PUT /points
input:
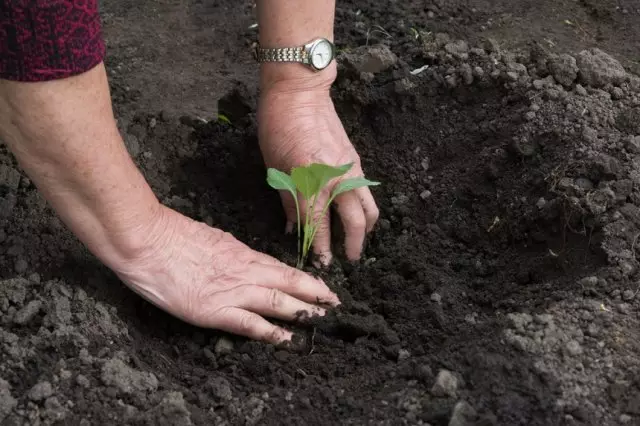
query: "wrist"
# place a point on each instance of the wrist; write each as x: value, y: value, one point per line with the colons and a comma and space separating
x: 283, y: 77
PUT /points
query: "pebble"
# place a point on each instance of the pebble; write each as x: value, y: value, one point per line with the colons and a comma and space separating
x: 588, y: 281
x: 436, y: 298
x: 425, y: 163
x: 530, y: 116
x: 425, y: 194
x: 541, y: 203
x: 628, y: 295
x: 403, y: 354
x: 446, y: 384
x: 223, y: 346
x: 40, y: 391
x: 399, y: 200
x: 463, y: 415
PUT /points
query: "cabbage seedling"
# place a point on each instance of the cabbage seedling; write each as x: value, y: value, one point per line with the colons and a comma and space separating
x: 309, y: 181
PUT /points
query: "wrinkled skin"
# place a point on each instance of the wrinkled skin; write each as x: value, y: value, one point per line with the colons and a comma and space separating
x: 210, y: 279
x: 299, y: 127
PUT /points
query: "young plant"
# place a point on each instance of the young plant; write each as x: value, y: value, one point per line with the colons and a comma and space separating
x: 309, y: 181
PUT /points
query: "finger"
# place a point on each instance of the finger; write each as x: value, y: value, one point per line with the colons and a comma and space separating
x: 289, y: 206
x: 269, y: 302
x: 369, y: 206
x: 321, y: 246
x: 354, y: 222
x: 244, y: 323
x: 294, y: 282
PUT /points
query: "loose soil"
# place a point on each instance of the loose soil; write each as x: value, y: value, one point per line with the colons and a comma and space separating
x: 499, y: 288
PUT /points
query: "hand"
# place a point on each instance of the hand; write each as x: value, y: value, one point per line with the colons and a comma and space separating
x: 298, y: 125
x: 209, y: 279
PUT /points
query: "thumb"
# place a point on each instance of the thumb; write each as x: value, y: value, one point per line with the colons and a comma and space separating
x: 290, y: 211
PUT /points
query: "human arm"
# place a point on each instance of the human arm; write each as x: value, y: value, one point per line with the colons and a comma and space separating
x: 56, y: 117
x: 298, y: 123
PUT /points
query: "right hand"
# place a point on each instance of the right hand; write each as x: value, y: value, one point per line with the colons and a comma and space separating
x: 209, y: 279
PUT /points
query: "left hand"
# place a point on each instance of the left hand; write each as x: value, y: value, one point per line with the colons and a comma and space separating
x: 298, y: 125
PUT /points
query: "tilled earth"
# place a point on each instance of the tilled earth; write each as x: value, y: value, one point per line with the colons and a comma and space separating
x: 500, y: 287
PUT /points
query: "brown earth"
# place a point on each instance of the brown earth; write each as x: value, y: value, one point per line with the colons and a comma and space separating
x: 500, y: 287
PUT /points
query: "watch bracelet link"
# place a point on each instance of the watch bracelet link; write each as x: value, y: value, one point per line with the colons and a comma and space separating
x: 285, y: 54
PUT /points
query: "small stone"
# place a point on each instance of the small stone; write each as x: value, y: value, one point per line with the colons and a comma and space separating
x: 425, y: 164
x: 625, y: 418
x: 223, y: 346
x: 385, y: 224
x: 431, y: 14
x: 40, y: 391
x: 463, y: 415
x: 512, y: 75
x: 425, y: 194
x: 541, y: 203
x: 574, y: 348
x: 588, y: 281
x: 446, y: 384
x: 153, y: 122
x: 403, y: 354
x: 132, y: 144
x: 530, y: 116
x: 459, y: 49
x: 436, y: 298
x: 399, y: 200
x: 21, y: 266
x: 628, y: 295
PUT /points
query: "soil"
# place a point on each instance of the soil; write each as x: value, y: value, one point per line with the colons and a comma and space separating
x: 500, y: 287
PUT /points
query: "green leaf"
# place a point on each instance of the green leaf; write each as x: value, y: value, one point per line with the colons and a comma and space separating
x: 312, y: 178
x: 281, y: 181
x: 351, y: 184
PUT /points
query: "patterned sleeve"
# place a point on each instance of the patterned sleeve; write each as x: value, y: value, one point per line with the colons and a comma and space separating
x: 42, y: 40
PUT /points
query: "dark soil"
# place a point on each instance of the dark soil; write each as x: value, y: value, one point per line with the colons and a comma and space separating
x: 499, y: 288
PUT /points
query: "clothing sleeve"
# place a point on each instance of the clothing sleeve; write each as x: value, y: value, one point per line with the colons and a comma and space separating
x: 43, y: 40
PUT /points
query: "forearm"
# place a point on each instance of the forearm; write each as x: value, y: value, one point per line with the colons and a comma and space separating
x: 288, y: 23
x: 64, y: 136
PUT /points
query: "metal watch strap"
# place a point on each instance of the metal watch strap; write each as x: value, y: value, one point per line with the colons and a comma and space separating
x: 285, y: 54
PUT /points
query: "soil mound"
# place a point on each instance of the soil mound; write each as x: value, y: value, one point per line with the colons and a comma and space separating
x: 500, y: 286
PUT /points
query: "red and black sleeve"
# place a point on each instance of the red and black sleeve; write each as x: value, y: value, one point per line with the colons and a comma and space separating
x: 42, y: 40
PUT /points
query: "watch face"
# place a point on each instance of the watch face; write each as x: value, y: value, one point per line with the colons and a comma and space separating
x: 321, y: 54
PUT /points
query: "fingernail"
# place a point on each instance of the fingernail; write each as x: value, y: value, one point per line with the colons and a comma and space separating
x: 288, y: 229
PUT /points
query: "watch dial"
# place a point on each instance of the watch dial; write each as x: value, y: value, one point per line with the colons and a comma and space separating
x: 321, y: 55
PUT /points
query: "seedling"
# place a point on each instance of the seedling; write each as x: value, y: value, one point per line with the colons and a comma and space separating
x: 309, y: 181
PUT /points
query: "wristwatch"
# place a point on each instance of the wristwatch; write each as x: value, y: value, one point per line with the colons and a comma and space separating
x: 316, y: 54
